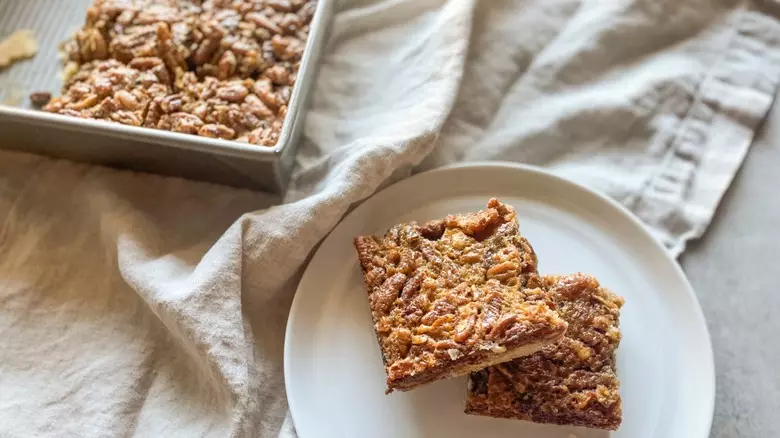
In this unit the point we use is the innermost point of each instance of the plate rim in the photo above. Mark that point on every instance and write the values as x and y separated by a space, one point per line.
698 313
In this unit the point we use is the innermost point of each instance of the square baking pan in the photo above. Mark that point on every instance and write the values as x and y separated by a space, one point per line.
111 144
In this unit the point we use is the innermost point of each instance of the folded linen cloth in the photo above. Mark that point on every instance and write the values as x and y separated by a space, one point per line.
135 304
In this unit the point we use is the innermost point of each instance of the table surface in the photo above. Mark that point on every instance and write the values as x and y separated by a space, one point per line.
732 269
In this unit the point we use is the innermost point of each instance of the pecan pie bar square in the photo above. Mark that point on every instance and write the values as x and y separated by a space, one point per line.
454 296
570 383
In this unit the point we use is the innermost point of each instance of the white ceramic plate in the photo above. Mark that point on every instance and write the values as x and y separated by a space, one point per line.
333 368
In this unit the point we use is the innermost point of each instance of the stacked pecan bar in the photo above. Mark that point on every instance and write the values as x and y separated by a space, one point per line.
455 295
215 68
572 382
462 295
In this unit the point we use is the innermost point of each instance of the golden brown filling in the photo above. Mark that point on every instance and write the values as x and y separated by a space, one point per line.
571 382
229 65
459 289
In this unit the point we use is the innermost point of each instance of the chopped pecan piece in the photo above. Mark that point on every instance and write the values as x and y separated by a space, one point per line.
40 98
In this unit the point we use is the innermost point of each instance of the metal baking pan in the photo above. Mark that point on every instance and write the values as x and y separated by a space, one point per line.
112 144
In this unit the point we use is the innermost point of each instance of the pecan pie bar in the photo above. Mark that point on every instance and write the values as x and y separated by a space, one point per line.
455 295
228 66
570 383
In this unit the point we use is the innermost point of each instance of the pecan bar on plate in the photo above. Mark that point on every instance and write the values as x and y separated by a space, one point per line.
455 295
570 383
